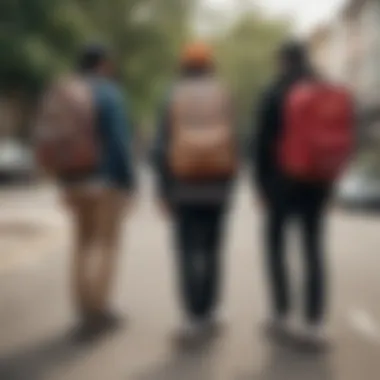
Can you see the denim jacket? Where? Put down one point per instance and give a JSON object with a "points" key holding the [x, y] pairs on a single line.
{"points": [[115, 130]]}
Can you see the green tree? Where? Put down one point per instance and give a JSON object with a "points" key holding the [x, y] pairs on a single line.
{"points": [[146, 35], [39, 38], [246, 55]]}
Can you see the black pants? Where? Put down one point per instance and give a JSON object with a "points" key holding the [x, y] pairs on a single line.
{"points": [[198, 240], [306, 202]]}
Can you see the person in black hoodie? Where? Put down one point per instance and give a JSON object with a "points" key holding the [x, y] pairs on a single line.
{"points": [[284, 197]]}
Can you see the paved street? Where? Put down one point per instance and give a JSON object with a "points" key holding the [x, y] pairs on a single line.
{"points": [[35, 311]]}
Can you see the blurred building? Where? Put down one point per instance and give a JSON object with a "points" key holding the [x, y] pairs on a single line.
{"points": [[16, 156], [320, 48], [348, 50]]}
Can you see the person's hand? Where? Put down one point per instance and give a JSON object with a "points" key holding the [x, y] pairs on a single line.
{"points": [[131, 202], [164, 207], [67, 199], [333, 206], [127, 200], [261, 203]]}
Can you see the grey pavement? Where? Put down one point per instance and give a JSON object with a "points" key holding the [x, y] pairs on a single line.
{"points": [[35, 309]]}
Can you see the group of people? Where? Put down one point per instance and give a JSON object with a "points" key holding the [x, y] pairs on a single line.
{"points": [[84, 139]]}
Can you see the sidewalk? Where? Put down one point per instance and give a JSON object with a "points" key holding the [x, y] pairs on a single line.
{"points": [[32, 223]]}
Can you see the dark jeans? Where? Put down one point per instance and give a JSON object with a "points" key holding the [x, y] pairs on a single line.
{"points": [[306, 202], [198, 240]]}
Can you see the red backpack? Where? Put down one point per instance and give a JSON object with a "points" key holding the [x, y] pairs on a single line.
{"points": [[66, 138], [318, 136]]}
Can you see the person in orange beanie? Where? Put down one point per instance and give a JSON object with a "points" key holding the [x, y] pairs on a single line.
{"points": [[195, 159]]}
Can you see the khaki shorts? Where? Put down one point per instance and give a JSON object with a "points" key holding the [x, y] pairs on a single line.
{"points": [[94, 195]]}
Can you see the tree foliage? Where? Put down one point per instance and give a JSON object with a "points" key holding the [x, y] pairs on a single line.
{"points": [[39, 38], [246, 55], [36, 38]]}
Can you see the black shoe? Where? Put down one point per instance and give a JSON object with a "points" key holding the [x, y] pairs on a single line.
{"points": [[83, 333], [106, 322], [95, 325]]}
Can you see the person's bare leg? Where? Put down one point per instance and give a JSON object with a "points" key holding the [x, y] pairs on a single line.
{"points": [[110, 220], [83, 214]]}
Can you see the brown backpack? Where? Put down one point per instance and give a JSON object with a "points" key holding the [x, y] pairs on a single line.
{"points": [[66, 138], [202, 137]]}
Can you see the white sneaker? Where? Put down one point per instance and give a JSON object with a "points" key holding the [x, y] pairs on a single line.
{"points": [[214, 324], [313, 335], [192, 328], [211, 324], [278, 327]]}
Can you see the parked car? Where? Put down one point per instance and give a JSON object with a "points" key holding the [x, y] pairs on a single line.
{"points": [[16, 162], [359, 190]]}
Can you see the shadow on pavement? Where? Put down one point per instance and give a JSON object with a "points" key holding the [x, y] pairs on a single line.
{"points": [[34, 363], [287, 364], [190, 360]]}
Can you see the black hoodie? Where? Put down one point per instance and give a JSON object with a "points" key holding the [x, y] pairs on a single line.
{"points": [[268, 129]]}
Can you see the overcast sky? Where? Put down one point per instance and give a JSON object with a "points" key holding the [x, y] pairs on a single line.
{"points": [[306, 13]]}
